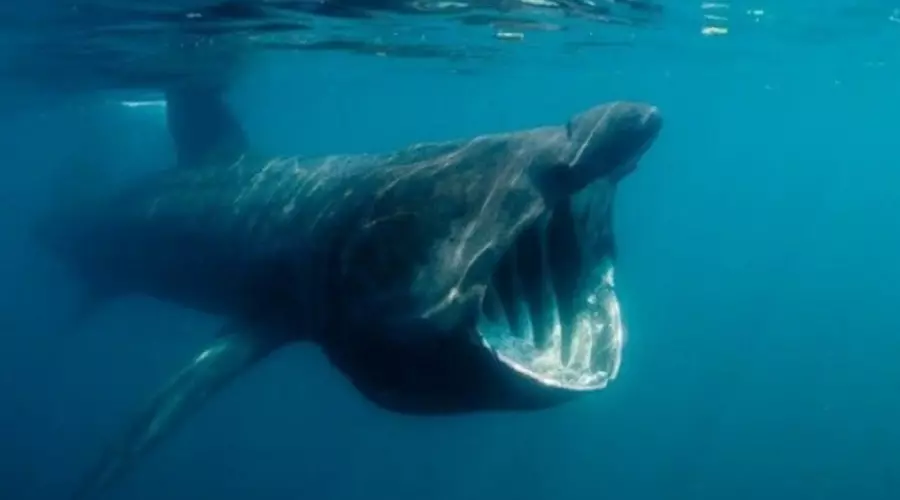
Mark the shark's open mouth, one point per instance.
(550, 311)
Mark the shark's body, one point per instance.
(454, 277)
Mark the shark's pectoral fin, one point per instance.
(230, 354)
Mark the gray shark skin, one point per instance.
(465, 276)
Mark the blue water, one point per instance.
(758, 273)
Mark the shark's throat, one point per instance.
(550, 311)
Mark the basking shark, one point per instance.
(463, 276)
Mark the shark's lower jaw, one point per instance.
(552, 317)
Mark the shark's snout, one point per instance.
(608, 140)
(651, 119)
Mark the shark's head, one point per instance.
(493, 260)
(550, 311)
(608, 141)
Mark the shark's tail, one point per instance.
(71, 196)
(89, 169)
(74, 187)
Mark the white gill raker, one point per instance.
(553, 339)
(616, 332)
(607, 347)
(586, 330)
(609, 350)
(585, 340)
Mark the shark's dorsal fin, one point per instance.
(204, 130)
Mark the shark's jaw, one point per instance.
(550, 312)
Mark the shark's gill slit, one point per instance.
(549, 310)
